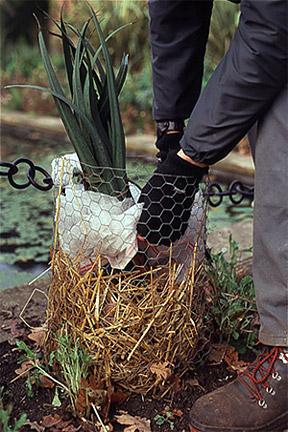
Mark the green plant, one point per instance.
(234, 307)
(224, 22)
(112, 14)
(5, 420)
(74, 363)
(138, 89)
(34, 364)
(167, 417)
(91, 113)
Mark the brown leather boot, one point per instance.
(257, 401)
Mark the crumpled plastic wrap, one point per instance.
(92, 224)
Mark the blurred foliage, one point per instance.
(24, 61)
(18, 24)
(233, 302)
(136, 101)
(133, 40)
(224, 21)
(24, 64)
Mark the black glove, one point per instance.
(168, 198)
(168, 141)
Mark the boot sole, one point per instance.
(278, 425)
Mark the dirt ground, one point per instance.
(39, 407)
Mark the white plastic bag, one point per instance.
(91, 223)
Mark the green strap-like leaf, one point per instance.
(89, 46)
(91, 106)
(117, 136)
(120, 80)
(82, 148)
(66, 43)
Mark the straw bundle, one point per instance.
(140, 327)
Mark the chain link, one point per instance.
(12, 168)
(236, 192)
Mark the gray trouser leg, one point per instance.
(270, 262)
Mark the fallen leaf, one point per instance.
(134, 424)
(25, 367)
(50, 420)
(46, 382)
(160, 370)
(38, 335)
(177, 412)
(193, 382)
(81, 402)
(177, 384)
(232, 360)
(217, 354)
(35, 426)
(64, 426)
(14, 328)
(69, 428)
(118, 397)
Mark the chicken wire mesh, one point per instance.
(98, 209)
(135, 307)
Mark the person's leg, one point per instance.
(178, 35)
(261, 390)
(270, 255)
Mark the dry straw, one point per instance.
(140, 327)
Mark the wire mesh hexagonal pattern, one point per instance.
(132, 303)
(97, 214)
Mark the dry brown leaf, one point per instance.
(217, 354)
(232, 360)
(14, 328)
(35, 426)
(118, 397)
(46, 382)
(38, 335)
(160, 370)
(134, 424)
(81, 402)
(65, 426)
(87, 426)
(177, 412)
(193, 382)
(51, 420)
(69, 428)
(25, 367)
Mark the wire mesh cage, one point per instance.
(97, 214)
(132, 304)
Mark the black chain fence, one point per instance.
(36, 176)
(39, 178)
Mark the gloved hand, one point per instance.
(168, 198)
(167, 143)
(169, 134)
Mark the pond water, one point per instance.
(27, 215)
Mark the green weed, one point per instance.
(234, 307)
(167, 417)
(5, 420)
(74, 363)
(37, 369)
